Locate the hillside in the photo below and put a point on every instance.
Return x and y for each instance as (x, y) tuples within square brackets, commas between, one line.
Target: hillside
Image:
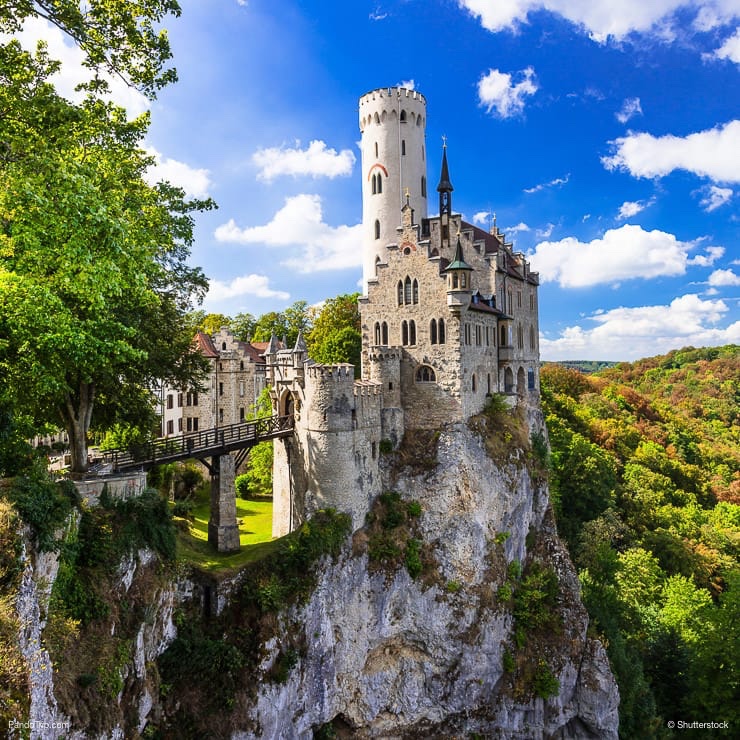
[(645, 479)]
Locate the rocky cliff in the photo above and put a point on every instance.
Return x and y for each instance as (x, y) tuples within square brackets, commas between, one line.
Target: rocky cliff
[(454, 612)]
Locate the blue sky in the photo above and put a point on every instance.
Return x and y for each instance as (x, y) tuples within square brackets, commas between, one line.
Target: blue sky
[(604, 135)]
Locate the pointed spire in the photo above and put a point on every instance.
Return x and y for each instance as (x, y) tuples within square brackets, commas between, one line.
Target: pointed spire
[(272, 347), (445, 186), (458, 262), (300, 343)]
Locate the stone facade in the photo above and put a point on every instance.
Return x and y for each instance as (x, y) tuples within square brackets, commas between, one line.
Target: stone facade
[(235, 379), (449, 317)]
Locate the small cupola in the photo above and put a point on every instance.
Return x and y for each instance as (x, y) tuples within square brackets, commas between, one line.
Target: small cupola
[(458, 271)]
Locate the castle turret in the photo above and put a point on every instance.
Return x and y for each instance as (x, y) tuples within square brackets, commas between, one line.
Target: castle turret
[(393, 126)]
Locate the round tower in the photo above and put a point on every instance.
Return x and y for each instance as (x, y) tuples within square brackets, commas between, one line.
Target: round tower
[(393, 127)]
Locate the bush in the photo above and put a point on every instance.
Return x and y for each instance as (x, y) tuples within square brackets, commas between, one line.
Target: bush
[(545, 684), (385, 446), (413, 557)]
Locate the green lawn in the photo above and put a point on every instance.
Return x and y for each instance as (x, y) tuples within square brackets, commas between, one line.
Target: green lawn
[(255, 535)]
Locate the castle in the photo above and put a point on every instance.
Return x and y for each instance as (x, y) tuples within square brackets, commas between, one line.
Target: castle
[(449, 316)]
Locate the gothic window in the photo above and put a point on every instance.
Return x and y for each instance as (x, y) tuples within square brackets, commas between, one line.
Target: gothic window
[(403, 147), (441, 331), (241, 365), (423, 187), (454, 281), (478, 340), (519, 299), (380, 183), (503, 335), (425, 374), (531, 301), (403, 116), (400, 293), (433, 331), (407, 290), (373, 184), (530, 379), (412, 332), (377, 229), (416, 291), (404, 333), (384, 333), (223, 345), (532, 342), (377, 333), (520, 337), (474, 384), (377, 262), (467, 333), (510, 305)]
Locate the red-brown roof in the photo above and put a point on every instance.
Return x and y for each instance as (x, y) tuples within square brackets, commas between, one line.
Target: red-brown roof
[(205, 345)]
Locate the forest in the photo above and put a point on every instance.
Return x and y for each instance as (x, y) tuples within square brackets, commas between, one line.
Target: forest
[(645, 482)]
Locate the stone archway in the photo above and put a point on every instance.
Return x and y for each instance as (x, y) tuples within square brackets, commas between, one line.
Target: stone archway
[(520, 381), (508, 380)]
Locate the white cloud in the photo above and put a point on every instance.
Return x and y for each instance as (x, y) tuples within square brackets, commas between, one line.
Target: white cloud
[(730, 49), (195, 182), (632, 207), (715, 197), (408, 85), (630, 108), (521, 226), (553, 183), (497, 93), (604, 18), (315, 161), (247, 285), (724, 278), (708, 259), (631, 333), (621, 254), (545, 233), (714, 153), (481, 217), (299, 224), (72, 72)]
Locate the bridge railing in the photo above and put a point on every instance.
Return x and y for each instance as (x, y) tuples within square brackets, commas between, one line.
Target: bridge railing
[(201, 443)]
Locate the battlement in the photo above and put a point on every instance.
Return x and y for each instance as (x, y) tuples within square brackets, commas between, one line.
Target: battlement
[(381, 93), (339, 373), (367, 388)]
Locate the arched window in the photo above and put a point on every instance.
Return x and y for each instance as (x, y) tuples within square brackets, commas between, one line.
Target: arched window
[(374, 184), (377, 229), (416, 290), (400, 293), (403, 116), (403, 147), (510, 305), (532, 342), (377, 333), (520, 337), (503, 335), (433, 331), (423, 187), (407, 290), (425, 374), (441, 331), (404, 333), (384, 332), (377, 262), (474, 383), (412, 332), (380, 183), (223, 345), (241, 364)]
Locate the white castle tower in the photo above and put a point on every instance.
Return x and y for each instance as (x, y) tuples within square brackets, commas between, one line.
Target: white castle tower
[(393, 126)]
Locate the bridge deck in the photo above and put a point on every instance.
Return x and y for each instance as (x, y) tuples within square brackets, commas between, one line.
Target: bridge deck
[(208, 443)]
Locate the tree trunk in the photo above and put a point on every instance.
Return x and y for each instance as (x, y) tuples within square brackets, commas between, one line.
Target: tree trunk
[(77, 413)]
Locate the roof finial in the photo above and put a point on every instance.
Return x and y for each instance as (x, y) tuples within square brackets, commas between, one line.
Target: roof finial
[(407, 193), (444, 141)]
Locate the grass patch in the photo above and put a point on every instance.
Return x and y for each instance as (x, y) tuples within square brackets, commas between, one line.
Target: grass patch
[(254, 518)]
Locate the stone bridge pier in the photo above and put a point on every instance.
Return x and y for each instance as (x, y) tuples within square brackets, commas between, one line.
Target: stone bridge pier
[(223, 532)]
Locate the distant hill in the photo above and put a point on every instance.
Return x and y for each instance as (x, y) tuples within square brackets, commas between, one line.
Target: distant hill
[(585, 366), (645, 480)]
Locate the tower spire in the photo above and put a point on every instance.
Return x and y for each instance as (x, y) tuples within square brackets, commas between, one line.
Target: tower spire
[(445, 196)]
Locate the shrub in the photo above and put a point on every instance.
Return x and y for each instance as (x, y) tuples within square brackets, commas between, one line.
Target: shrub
[(413, 558), (452, 587), (413, 508), (508, 661), (545, 684), (385, 446)]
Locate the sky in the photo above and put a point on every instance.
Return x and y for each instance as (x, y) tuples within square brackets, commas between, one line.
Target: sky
[(603, 134)]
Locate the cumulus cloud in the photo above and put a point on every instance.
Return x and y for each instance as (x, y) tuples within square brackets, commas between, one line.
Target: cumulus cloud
[(621, 254), (629, 333), (711, 255), (724, 278), (715, 197), (299, 225), (546, 232), (602, 19), (632, 207), (481, 217), (498, 93), (314, 161), (714, 153), (553, 183), (408, 84), (630, 108), (246, 285), (730, 49), (72, 71), (521, 226), (194, 181)]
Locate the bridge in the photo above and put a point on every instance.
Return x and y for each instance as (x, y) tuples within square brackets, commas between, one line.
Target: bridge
[(199, 445), (217, 444)]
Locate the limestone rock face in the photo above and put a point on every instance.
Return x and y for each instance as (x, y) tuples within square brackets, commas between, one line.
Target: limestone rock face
[(391, 656)]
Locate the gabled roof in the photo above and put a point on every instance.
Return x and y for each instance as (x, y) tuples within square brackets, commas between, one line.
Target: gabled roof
[(204, 344)]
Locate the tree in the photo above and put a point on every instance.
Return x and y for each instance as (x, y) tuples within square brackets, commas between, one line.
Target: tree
[(94, 280), (242, 326), (123, 37), (282, 323), (335, 335)]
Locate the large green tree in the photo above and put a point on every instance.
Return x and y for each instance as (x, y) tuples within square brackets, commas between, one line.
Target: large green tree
[(335, 332), (94, 280)]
